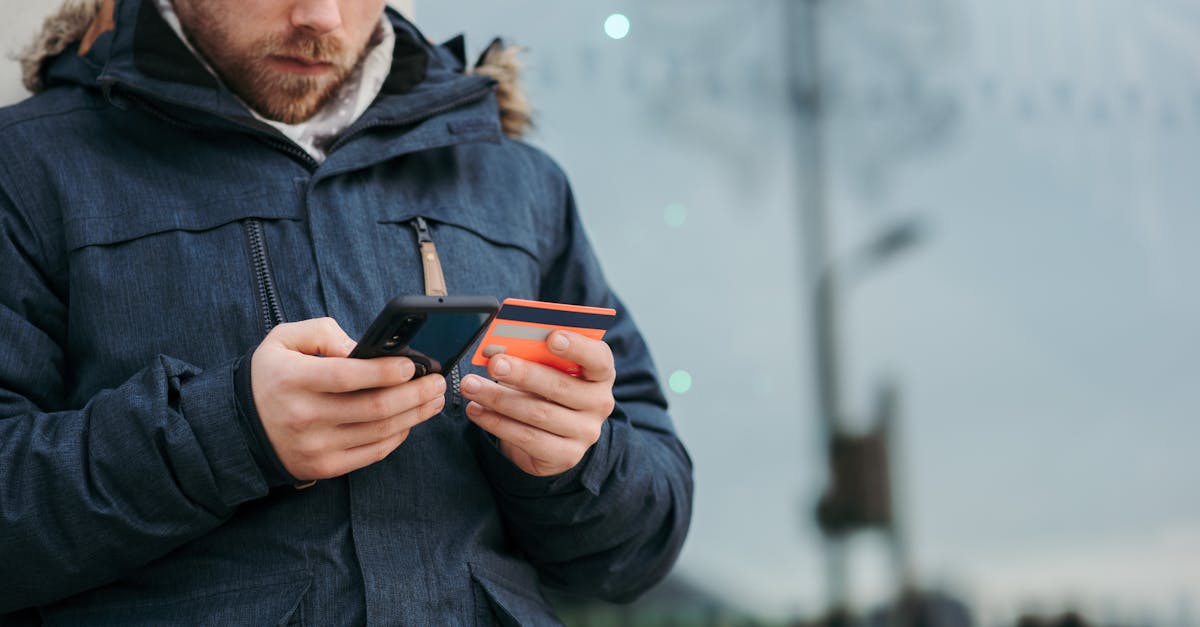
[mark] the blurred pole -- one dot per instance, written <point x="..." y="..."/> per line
<point x="806" y="99"/>
<point x="803" y="37"/>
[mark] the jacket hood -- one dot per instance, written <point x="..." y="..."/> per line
<point x="82" y="21"/>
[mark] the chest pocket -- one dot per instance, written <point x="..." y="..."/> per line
<point x="495" y="251"/>
<point x="169" y="276"/>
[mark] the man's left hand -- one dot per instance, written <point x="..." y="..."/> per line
<point x="545" y="419"/>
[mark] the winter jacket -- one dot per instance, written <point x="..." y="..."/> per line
<point x="152" y="231"/>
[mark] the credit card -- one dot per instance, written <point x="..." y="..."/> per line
<point x="521" y="327"/>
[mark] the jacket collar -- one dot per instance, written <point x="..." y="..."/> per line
<point x="142" y="55"/>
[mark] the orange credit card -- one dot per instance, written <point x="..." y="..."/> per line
<point x="521" y="327"/>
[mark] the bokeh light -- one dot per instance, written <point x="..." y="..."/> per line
<point x="616" y="26"/>
<point x="675" y="215"/>
<point x="680" y="381"/>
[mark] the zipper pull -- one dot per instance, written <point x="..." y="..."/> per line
<point x="435" y="282"/>
<point x="422" y="228"/>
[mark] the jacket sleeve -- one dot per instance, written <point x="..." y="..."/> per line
<point x="612" y="526"/>
<point x="90" y="493"/>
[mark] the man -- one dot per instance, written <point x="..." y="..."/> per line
<point x="205" y="203"/>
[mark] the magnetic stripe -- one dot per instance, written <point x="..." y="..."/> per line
<point x="555" y="317"/>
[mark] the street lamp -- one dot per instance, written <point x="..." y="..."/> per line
<point x="859" y="495"/>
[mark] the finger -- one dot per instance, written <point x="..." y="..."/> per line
<point x="356" y="434"/>
<point x="536" y="442"/>
<point x="377" y="404"/>
<point x="546" y="382"/>
<point x="594" y="357"/>
<point x="340" y="375"/>
<point x="525" y="407"/>
<point x="318" y="336"/>
<point x="362" y="456"/>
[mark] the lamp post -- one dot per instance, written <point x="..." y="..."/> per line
<point x="859" y="494"/>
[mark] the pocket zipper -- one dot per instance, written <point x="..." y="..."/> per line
<point x="435" y="285"/>
<point x="268" y="299"/>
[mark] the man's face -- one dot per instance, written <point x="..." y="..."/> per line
<point x="285" y="58"/>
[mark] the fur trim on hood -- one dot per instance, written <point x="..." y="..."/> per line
<point x="74" y="19"/>
<point x="60" y="30"/>
<point x="501" y="63"/>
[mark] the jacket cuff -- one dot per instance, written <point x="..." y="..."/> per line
<point x="209" y="408"/>
<point x="256" y="437"/>
<point x="511" y="481"/>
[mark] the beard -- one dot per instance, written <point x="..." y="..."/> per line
<point x="287" y="97"/>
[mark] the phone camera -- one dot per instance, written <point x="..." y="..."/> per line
<point x="404" y="330"/>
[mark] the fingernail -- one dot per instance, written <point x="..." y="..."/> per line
<point x="501" y="367"/>
<point x="559" y="342"/>
<point x="473" y="410"/>
<point x="470" y="385"/>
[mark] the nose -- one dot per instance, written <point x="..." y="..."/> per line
<point x="317" y="16"/>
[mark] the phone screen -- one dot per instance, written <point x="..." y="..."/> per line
<point x="433" y="331"/>
<point x="444" y="336"/>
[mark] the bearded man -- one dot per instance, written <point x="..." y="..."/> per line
<point x="200" y="207"/>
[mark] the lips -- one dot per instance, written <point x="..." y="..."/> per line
<point x="301" y="65"/>
<point x="304" y="61"/>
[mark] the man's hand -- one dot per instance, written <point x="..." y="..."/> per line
<point x="327" y="415"/>
<point x="546" y="420"/>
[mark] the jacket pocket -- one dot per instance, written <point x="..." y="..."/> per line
<point x="502" y="600"/>
<point x="97" y="226"/>
<point x="481" y="250"/>
<point x="273" y="600"/>
<point x="486" y="252"/>
<point x="177" y="276"/>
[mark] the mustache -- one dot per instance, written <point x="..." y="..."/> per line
<point x="323" y="49"/>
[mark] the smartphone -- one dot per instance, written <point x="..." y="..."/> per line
<point x="433" y="331"/>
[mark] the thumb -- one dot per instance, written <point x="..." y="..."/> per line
<point x="318" y="336"/>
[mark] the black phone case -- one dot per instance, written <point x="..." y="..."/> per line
<point x="394" y="328"/>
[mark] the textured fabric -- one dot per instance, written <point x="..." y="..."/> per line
<point x="140" y="218"/>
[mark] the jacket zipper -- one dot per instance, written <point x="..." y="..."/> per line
<point x="268" y="298"/>
<point x="435" y="281"/>
<point x="435" y="285"/>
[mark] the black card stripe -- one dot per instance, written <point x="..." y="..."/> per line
<point x="557" y="317"/>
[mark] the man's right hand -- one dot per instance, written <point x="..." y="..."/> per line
<point x="327" y="415"/>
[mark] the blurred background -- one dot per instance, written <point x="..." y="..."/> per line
<point x="927" y="263"/>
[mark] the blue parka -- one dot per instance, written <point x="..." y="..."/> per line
<point x="152" y="231"/>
